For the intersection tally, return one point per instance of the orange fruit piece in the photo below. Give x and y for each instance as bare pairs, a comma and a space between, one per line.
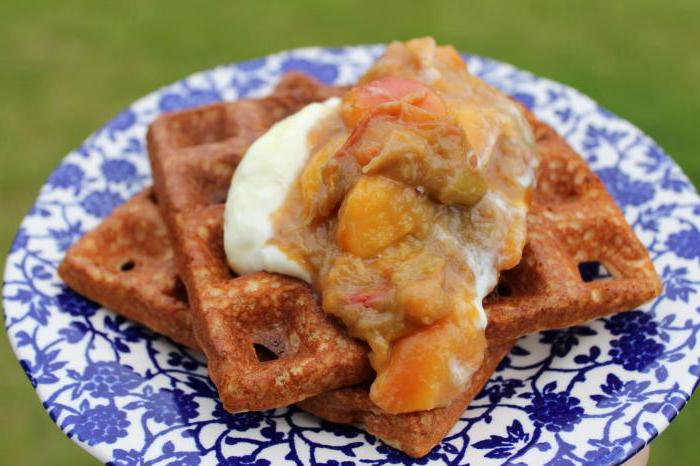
430, 367
358, 102
376, 213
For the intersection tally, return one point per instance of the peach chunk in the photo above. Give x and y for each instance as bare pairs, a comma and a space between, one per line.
360, 100
311, 180
376, 213
430, 367
423, 301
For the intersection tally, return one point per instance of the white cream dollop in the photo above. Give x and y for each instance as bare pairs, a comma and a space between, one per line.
259, 188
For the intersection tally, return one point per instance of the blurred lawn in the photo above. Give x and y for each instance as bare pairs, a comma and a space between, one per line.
67, 67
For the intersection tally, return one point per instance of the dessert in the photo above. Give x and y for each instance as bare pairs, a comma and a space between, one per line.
399, 204
572, 219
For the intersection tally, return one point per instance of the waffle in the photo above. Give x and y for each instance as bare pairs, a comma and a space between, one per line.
572, 220
127, 264
193, 155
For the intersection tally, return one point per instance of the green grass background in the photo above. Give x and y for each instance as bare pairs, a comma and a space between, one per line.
66, 67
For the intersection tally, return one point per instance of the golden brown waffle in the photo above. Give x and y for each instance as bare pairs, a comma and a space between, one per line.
95, 269
573, 220
193, 154
127, 264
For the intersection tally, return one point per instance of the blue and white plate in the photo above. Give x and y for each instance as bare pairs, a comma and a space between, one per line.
593, 394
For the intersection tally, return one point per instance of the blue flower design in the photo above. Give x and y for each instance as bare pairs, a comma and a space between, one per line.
169, 406
676, 285
239, 421
563, 340
501, 447
564, 114
324, 72
499, 388
394, 456
624, 190
337, 463
123, 121
190, 98
118, 171
101, 424
251, 65
101, 203
74, 304
559, 462
125, 458
39, 211
246, 85
655, 155
64, 238
636, 352
695, 369
178, 359
27, 368
505, 363
186, 459
685, 243
67, 176
618, 393
244, 461
107, 379
555, 411
596, 135
635, 349
674, 181
604, 455
43, 369
340, 430
649, 218
632, 323
21, 240
527, 100
37, 304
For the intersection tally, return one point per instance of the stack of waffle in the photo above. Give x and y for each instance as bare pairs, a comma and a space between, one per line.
159, 260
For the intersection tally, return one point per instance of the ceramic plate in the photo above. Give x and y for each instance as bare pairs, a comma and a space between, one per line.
591, 394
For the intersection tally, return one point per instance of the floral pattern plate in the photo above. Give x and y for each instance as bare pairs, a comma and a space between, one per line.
594, 394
